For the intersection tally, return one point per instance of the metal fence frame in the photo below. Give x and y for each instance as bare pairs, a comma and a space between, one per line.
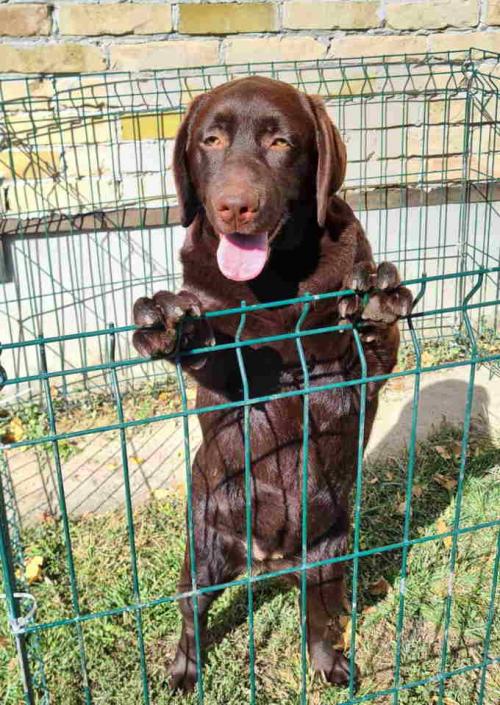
470, 302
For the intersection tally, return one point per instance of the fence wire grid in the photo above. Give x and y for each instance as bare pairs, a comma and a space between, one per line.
89, 222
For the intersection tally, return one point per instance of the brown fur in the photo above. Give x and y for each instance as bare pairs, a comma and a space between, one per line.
318, 246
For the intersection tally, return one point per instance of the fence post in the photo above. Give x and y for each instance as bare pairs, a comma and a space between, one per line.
13, 611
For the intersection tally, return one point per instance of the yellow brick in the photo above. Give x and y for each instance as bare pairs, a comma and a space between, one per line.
377, 44
446, 111
273, 49
489, 41
24, 20
330, 15
16, 90
493, 16
28, 165
69, 131
433, 168
435, 140
150, 127
20, 123
77, 131
116, 19
432, 14
95, 159
484, 166
50, 58
164, 55
221, 18
75, 195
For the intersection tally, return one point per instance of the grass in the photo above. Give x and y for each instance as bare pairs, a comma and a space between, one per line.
102, 560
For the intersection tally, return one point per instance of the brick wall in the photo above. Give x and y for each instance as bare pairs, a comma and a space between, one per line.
72, 35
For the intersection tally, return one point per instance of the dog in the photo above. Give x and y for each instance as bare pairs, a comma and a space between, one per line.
257, 165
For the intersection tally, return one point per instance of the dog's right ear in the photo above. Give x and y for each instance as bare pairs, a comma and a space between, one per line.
189, 202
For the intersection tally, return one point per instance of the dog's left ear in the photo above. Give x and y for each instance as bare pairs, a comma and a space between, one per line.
332, 156
189, 203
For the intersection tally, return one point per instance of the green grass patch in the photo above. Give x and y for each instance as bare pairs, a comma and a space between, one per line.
102, 560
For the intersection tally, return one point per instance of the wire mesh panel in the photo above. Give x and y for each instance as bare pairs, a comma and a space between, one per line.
87, 194
88, 224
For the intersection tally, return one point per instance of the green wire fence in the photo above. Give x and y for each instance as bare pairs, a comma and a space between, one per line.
88, 223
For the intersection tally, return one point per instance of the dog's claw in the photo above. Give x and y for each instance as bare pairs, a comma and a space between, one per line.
158, 319
387, 299
180, 682
340, 672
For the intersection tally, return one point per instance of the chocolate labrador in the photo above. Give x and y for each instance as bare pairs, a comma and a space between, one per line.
256, 167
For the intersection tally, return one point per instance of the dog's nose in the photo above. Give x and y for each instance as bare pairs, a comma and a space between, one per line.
237, 207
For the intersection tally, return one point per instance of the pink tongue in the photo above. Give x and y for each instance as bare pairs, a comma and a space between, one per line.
242, 257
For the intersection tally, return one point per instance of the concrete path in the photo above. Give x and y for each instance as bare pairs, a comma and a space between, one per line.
93, 478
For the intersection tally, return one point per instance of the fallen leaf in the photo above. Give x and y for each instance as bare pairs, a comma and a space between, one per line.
449, 483
136, 460
372, 480
15, 431
379, 587
33, 570
417, 491
12, 665
446, 700
160, 494
443, 452
427, 359
401, 508
443, 528
4, 642
112, 466
344, 638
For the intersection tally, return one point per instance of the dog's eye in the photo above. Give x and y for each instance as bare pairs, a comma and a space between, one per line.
212, 141
280, 143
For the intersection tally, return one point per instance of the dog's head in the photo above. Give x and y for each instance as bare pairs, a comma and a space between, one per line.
248, 152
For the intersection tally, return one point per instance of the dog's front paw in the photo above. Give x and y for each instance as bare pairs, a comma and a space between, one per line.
161, 320
380, 299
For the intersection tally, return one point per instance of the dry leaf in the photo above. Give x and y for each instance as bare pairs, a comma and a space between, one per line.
379, 587
446, 700
372, 480
136, 460
401, 509
449, 483
426, 359
160, 494
443, 452
15, 431
417, 491
443, 528
33, 570
344, 638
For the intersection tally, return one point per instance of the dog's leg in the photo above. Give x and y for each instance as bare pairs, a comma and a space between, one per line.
325, 595
218, 562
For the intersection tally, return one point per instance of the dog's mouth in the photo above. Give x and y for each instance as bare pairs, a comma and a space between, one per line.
243, 257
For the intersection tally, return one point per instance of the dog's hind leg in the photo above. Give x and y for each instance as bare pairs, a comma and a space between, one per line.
217, 561
325, 603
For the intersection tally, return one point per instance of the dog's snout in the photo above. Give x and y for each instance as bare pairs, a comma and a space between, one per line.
237, 207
